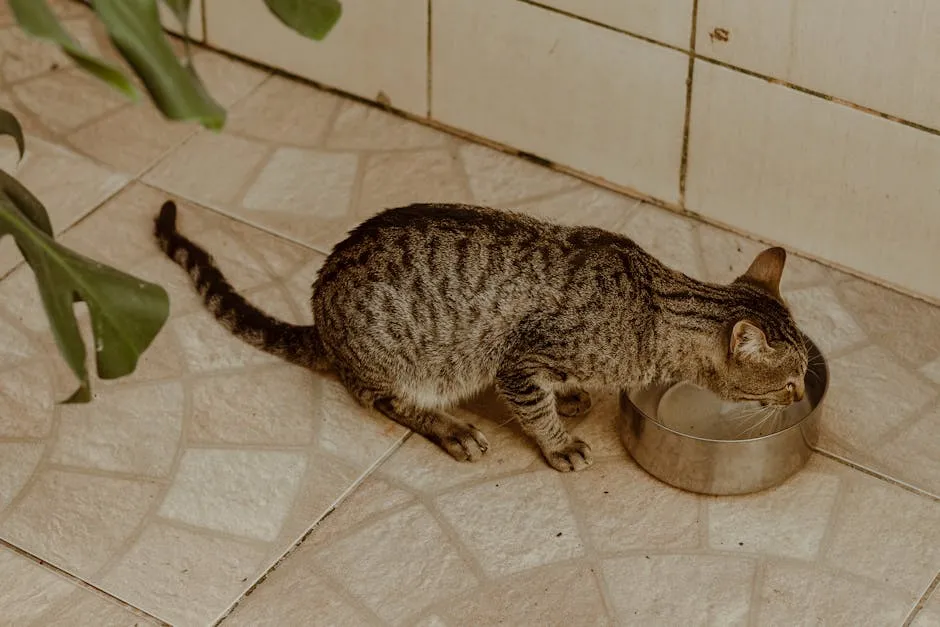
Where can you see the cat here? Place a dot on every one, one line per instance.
(422, 307)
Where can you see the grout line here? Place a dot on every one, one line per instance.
(591, 178)
(78, 581)
(692, 53)
(429, 59)
(204, 21)
(877, 474)
(684, 163)
(922, 601)
(593, 22)
(259, 579)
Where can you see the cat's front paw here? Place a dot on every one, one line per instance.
(576, 455)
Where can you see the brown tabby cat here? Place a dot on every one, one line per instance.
(422, 307)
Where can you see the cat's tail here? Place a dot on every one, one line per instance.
(300, 345)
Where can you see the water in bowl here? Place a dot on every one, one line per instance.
(690, 409)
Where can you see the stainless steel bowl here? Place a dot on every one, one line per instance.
(718, 465)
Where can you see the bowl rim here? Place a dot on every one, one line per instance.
(799, 423)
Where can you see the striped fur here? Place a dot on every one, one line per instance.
(422, 307)
(297, 344)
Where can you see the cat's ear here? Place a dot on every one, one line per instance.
(747, 340)
(766, 270)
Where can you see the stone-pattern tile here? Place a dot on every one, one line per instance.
(68, 185)
(31, 594)
(609, 545)
(180, 484)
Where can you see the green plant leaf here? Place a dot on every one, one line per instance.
(310, 18)
(9, 125)
(28, 204)
(126, 313)
(36, 18)
(134, 27)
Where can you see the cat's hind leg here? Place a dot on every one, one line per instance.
(461, 440)
(573, 402)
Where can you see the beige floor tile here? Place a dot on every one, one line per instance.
(392, 180)
(298, 590)
(246, 493)
(181, 576)
(932, 370)
(624, 509)
(913, 455)
(670, 238)
(560, 595)
(727, 255)
(276, 480)
(226, 79)
(929, 615)
(790, 520)
(585, 206)
(14, 346)
(76, 521)
(794, 594)
(391, 580)
(871, 393)
(680, 589)
(232, 161)
(886, 534)
(268, 406)
(819, 313)
(349, 432)
(499, 180)
(285, 111)
(88, 608)
(908, 327)
(361, 127)
(135, 430)
(66, 99)
(27, 589)
(485, 517)
(290, 601)
(18, 461)
(26, 401)
(132, 138)
(304, 182)
(68, 185)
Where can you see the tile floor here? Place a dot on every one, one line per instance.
(170, 498)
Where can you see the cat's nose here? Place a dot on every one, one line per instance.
(799, 391)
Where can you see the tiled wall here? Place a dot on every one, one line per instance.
(811, 124)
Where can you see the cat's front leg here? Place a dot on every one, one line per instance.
(528, 391)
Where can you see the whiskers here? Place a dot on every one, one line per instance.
(750, 422)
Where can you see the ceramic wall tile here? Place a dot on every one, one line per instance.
(377, 50)
(881, 55)
(668, 21)
(574, 93)
(818, 177)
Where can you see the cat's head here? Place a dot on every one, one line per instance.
(762, 354)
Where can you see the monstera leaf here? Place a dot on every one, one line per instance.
(311, 18)
(134, 28)
(126, 313)
(37, 19)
